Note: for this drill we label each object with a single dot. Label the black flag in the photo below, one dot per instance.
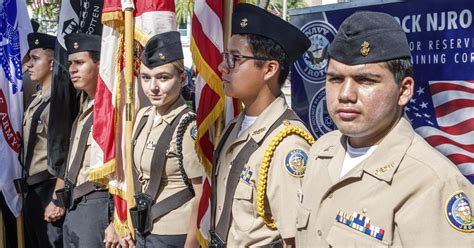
(82, 16)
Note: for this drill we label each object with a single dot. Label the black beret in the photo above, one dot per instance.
(40, 40)
(250, 19)
(369, 37)
(162, 49)
(78, 42)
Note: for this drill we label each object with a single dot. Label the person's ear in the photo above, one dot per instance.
(406, 91)
(271, 69)
(182, 79)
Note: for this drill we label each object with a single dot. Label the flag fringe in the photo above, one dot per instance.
(113, 19)
(206, 72)
(201, 239)
(121, 228)
(102, 171)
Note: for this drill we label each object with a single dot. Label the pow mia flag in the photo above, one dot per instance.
(83, 16)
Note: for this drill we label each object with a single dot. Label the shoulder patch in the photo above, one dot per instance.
(194, 132)
(459, 212)
(295, 162)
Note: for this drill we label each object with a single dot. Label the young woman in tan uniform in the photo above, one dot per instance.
(167, 171)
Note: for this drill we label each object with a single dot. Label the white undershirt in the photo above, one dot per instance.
(354, 156)
(247, 122)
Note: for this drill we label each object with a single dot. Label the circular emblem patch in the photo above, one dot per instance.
(295, 162)
(459, 212)
(194, 132)
(319, 119)
(312, 65)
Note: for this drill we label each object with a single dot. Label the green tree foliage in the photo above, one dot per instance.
(184, 8)
(47, 14)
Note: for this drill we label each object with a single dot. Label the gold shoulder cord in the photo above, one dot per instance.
(265, 164)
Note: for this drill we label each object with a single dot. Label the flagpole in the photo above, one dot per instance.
(129, 100)
(19, 231)
(226, 27)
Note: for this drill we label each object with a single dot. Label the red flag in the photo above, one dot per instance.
(108, 148)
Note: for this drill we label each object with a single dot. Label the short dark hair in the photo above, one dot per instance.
(95, 56)
(267, 48)
(400, 68)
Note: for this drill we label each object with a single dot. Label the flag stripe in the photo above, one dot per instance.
(149, 6)
(460, 159)
(448, 149)
(439, 140)
(211, 56)
(453, 105)
(215, 7)
(212, 32)
(466, 169)
(465, 138)
(455, 117)
(449, 95)
(459, 128)
(438, 87)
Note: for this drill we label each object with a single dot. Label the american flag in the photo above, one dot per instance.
(442, 112)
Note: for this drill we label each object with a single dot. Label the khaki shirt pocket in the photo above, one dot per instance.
(242, 209)
(302, 216)
(343, 236)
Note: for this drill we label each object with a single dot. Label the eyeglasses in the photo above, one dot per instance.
(231, 58)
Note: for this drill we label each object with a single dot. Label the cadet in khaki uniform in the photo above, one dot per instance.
(375, 182)
(87, 216)
(167, 171)
(39, 233)
(263, 152)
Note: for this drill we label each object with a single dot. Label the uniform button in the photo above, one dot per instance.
(364, 210)
(220, 208)
(320, 233)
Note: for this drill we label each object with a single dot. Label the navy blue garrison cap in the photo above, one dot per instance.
(162, 49)
(369, 37)
(77, 42)
(250, 19)
(40, 40)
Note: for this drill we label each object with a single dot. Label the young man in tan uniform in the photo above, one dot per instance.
(375, 182)
(39, 233)
(263, 152)
(87, 214)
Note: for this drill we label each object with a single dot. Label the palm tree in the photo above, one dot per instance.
(184, 8)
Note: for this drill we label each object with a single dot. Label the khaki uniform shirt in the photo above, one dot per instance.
(403, 188)
(247, 228)
(40, 152)
(176, 221)
(84, 115)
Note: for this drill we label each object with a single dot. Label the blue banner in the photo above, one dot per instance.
(441, 39)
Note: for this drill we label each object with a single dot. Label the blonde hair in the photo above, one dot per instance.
(179, 65)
